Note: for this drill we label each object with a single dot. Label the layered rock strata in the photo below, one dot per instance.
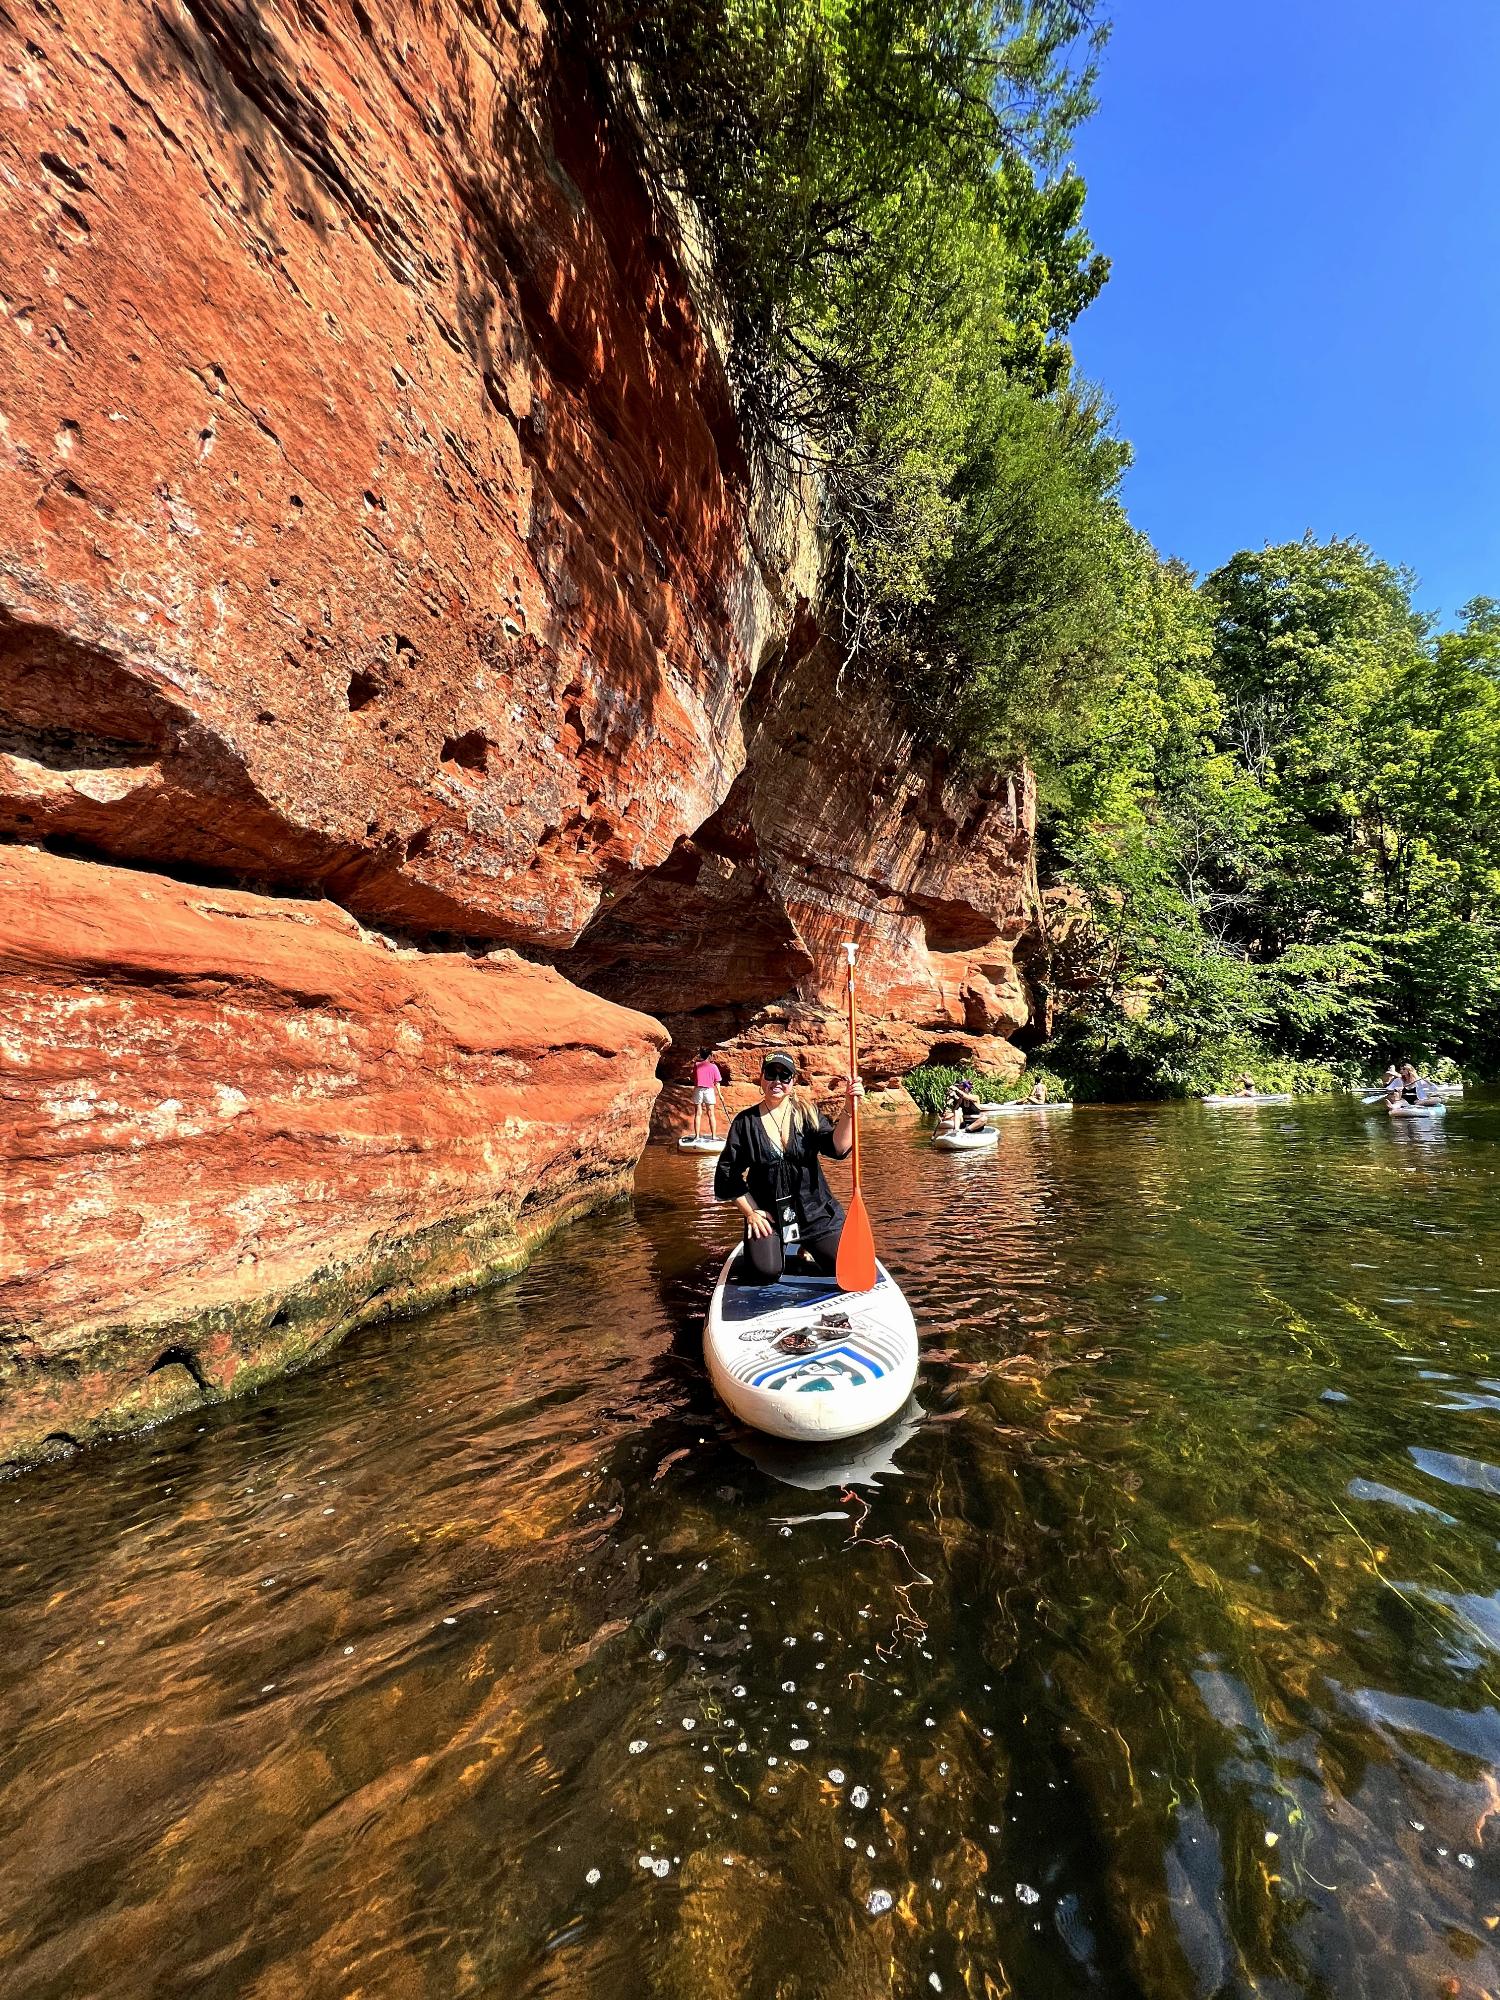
(239, 1126)
(382, 582)
(837, 828)
(374, 517)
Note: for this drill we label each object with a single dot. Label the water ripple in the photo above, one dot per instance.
(494, 1657)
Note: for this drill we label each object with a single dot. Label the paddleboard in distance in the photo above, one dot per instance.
(1264, 1097)
(965, 1142)
(1020, 1104)
(803, 1359)
(701, 1145)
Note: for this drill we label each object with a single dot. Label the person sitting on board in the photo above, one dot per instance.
(1038, 1093)
(1409, 1088)
(962, 1109)
(707, 1076)
(770, 1170)
(1244, 1084)
(1391, 1080)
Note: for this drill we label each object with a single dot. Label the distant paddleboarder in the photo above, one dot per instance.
(963, 1111)
(770, 1169)
(1410, 1089)
(707, 1077)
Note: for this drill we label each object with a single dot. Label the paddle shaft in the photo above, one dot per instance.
(853, 1072)
(856, 1267)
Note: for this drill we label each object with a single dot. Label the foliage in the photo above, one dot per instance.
(900, 254)
(1280, 790)
(1288, 824)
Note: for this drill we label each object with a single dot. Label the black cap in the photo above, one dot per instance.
(776, 1062)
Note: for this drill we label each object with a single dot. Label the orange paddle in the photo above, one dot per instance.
(856, 1259)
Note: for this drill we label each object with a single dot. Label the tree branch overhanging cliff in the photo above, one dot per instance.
(897, 253)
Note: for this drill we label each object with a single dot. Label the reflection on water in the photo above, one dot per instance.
(1154, 1652)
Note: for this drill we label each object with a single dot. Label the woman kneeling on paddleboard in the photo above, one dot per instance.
(769, 1169)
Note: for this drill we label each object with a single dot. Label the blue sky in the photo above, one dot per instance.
(1301, 203)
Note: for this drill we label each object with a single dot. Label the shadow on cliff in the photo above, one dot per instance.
(486, 173)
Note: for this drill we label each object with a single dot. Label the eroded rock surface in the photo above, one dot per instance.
(837, 828)
(374, 517)
(238, 1126)
(375, 528)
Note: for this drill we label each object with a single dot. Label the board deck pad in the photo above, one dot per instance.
(803, 1336)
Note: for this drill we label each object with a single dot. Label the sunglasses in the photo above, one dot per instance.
(776, 1076)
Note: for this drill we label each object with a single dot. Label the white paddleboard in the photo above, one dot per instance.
(1006, 1110)
(701, 1145)
(1266, 1097)
(802, 1359)
(964, 1142)
(1417, 1110)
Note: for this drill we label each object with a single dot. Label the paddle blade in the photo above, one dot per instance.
(856, 1259)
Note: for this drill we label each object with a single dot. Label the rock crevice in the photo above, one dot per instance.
(413, 711)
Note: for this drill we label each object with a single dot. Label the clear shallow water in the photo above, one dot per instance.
(1163, 1658)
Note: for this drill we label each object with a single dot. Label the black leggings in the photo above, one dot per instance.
(766, 1255)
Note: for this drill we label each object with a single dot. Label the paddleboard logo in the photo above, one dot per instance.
(829, 1368)
(840, 1351)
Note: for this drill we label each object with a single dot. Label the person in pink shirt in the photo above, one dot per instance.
(707, 1076)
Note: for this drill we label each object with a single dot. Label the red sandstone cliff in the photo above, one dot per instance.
(375, 538)
(240, 1125)
(835, 828)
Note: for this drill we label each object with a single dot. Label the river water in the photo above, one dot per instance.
(1157, 1653)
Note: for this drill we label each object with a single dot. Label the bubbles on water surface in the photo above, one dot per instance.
(1007, 1403)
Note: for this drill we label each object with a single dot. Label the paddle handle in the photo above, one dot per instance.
(849, 952)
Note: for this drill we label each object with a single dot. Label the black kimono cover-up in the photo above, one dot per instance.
(750, 1163)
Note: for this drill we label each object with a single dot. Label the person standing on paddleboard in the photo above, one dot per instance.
(707, 1076)
(770, 1170)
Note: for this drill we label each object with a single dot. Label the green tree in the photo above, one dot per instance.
(1432, 821)
(899, 252)
(1309, 637)
(1288, 821)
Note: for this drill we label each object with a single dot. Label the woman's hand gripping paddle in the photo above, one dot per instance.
(856, 1259)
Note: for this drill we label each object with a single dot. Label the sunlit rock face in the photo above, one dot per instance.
(382, 577)
(240, 1125)
(374, 528)
(375, 515)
